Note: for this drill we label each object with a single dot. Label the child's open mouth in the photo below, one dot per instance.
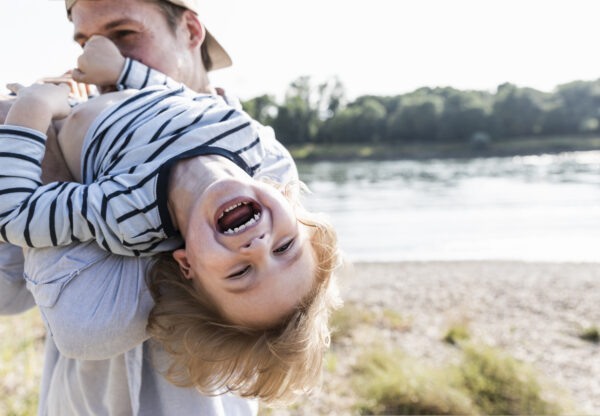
(238, 215)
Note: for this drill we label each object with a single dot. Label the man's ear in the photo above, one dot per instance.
(195, 31)
(181, 258)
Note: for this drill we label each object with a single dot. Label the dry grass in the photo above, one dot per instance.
(482, 381)
(486, 382)
(457, 333)
(21, 359)
(591, 334)
(393, 383)
(364, 373)
(500, 384)
(350, 316)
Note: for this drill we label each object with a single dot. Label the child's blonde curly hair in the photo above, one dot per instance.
(214, 355)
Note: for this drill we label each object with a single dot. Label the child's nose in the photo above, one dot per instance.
(255, 243)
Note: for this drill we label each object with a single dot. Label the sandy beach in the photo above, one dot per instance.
(532, 311)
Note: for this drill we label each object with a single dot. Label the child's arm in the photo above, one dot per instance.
(103, 65)
(59, 213)
(38, 105)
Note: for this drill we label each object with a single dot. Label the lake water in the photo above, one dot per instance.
(532, 208)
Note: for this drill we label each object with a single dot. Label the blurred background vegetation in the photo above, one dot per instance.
(444, 119)
(21, 358)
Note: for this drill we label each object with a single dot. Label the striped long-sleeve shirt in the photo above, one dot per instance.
(126, 159)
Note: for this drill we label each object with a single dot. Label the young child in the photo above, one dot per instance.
(243, 305)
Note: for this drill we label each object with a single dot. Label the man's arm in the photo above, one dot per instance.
(14, 296)
(95, 304)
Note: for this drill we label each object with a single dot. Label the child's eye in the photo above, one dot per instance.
(284, 247)
(239, 274)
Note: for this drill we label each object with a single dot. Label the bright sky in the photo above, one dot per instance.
(381, 47)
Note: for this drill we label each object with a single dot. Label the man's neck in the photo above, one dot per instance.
(199, 82)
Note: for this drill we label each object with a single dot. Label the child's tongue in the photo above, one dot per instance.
(236, 217)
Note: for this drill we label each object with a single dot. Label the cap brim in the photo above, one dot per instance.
(218, 56)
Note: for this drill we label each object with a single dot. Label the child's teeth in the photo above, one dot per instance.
(242, 227)
(231, 208)
(235, 206)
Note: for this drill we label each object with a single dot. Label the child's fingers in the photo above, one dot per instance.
(65, 79)
(82, 91)
(76, 90)
(14, 87)
(54, 80)
(78, 75)
(66, 86)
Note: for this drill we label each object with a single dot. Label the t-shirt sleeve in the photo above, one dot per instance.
(94, 304)
(14, 296)
(136, 75)
(277, 164)
(59, 213)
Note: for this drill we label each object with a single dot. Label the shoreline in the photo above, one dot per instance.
(348, 152)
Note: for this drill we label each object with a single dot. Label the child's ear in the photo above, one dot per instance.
(180, 257)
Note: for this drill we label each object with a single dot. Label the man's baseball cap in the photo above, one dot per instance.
(218, 56)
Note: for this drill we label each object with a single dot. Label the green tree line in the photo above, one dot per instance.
(320, 113)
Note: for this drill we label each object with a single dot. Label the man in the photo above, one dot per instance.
(163, 35)
(95, 305)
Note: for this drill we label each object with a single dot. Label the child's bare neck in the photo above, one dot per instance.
(190, 178)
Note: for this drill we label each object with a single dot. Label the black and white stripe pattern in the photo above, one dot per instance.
(136, 75)
(121, 202)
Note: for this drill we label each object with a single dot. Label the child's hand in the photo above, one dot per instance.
(79, 91)
(101, 63)
(6, 101)
(36, 106)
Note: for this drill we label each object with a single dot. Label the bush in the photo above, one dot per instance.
(393, 383)
(499, 384)
(486, 382)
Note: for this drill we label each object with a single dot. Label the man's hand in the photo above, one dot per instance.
(101, 63)
(36, 106)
